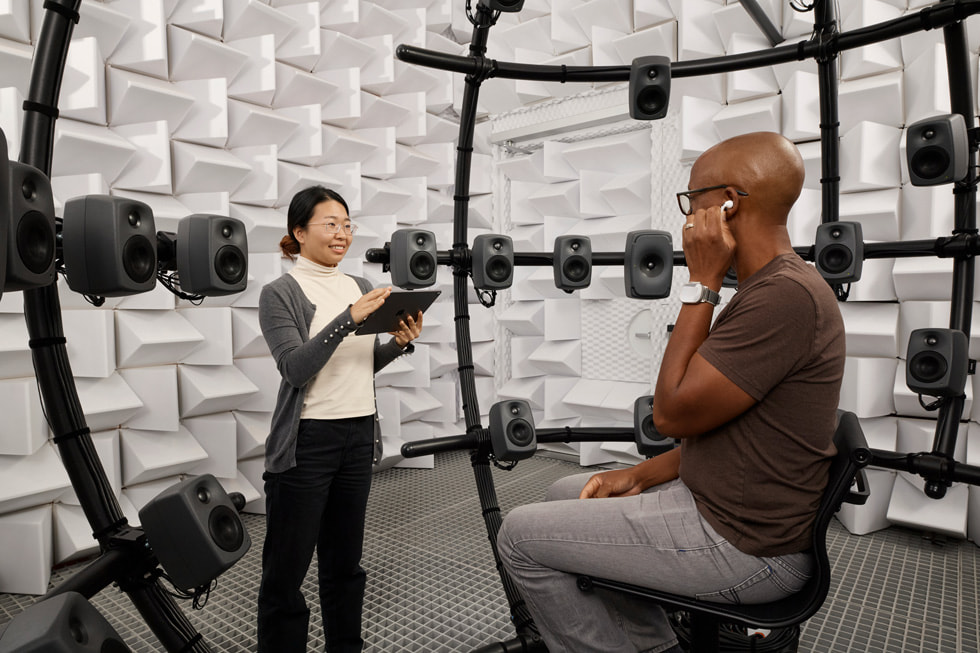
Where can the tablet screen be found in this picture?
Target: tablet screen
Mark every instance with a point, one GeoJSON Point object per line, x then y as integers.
{"type": "Point", "coordinates": [397, 306]}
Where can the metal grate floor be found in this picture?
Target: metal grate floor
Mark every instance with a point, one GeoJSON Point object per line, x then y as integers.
{"type": "Point", "coordinates": [432, 585]}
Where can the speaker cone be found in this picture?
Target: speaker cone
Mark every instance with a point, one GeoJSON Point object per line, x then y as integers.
{"type": "Point", "coordinates": [520, 432]}
{"type": "Point", "coordinates": [576, 268]}
{"type": "Point", "coordinates": [422, 265]}
{"type": "Point", "coordinates": [928, 366]}
{"type": "Point", "coordinates": [229, 263]}
{"type": "Point", "coordinates": [930, 162]}
{"type": "Point", "coordinates": [649, 430]}
{"type": "Point", "coordinates": [498, 268]}
{"type": "Point", "coordinates": [652, 99]}
{"type": "Point", "coordinates": [836, 259]}
{"type": "Point", "coordinates": [139, 257]}
{"type": "Point", "coordinates": [226, 528]}
{"type": "Point", "coordinates": [35, 242]}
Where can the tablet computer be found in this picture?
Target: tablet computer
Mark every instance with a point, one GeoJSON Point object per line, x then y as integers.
{"type": "Point", "coordinates": [397, 306]}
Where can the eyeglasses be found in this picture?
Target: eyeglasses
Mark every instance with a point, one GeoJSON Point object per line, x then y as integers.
{"type": "Point", "coordinates": [684, 197]}
{"type": "Point", "coordinates": [334, 228]}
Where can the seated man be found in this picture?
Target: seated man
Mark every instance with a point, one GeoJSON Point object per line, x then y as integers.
{"type": "Point", "coordinates": [727, 515]}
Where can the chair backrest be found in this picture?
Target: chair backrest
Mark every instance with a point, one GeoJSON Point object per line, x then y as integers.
{"type": "Point", "coordinates": [844, 468]}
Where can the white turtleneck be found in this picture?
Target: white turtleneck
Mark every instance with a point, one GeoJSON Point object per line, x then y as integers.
{"type": "Point", "coordinates": [345, 385]}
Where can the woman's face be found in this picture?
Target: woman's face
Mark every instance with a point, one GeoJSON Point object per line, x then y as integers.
{"type": "Point", "coordinates": [318, 241]}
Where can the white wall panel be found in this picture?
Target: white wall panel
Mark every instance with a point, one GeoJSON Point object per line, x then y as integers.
{"type": "Point", "coordinates": [25, 430]}
{"type": "Point", "coordinates": [25, 538]}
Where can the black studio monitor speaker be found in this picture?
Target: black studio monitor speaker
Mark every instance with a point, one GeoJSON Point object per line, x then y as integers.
{"type": "Point", "coordinates": [31, 245]}
{"type": "Point", "coordinates": [572, 262]}
{"type": "Point", "coordinates": [109, 245]}
{"type": "Point", "coordinates": [938, 362]}
{"type": "Point", "coordinates": [493, 262]}
{"type": "Point", "coordinates": [649, 87]}
{"type": "Point", "coordinates": [194, 531]}
{"type": "Point", "coordinates": [4, 214]}
{"type": "Point", "coordinates": [413, 258]}
{"type": "Point", "coordinates": [649, 264]}
{"type": "Point", "coordinates": [839, 251]}
{"type": "Point", "coordinates": [64, 623]}
{"type": "Point", "coordinates": [503, 5]}
{"type": "Point", "coordinates": [512, 430]}
{"type": "Point", "coordinates": [937, 150]}
{"type": "Point", "coordinates": [649, 441]}
{"type": "Point", "coordinates": [212, 255]}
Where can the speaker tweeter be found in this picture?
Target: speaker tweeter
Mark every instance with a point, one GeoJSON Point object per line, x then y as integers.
{"type": "Point", "coordinates": [649, 87]}
{"type": "Point", "coordinates": [938, 362]}
{"type": "Point", "coordinates": [195, 531]}
{"type": "Point", "coordinates": [413, 258]}
{"type": "Point", "coordinates": [109, 245]}
{"type": "Point", "coordinates": [649, 264]}
{"type": "Point", "coordinates": [493, 262]}
{"type": "Point", "coordinates": [512, 430]}
{"type": "Point", "coordinates": [572, 262]}
{"type": "Point", "coordinates": [649, 441]}
{"type": "Point", "coordinates": [839, 251]}
{"type": "Point", "coordinates": [937, 150]}
{"type": "Point", "coordinates": [212, 255]}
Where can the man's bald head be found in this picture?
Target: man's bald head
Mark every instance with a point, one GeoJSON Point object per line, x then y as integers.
{"type": "Point", "coordinates": [765, 164]}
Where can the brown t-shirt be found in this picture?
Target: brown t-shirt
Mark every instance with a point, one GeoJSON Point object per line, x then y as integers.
{"type": "Point", "coordinates": [758, 479]}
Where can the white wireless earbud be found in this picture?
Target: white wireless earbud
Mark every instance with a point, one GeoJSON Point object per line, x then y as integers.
{"type": "Point", "coordinates": [727, 205]}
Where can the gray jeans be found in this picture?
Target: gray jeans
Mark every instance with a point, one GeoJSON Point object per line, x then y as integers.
{"type": "Point", "coordinates": [656, 539]}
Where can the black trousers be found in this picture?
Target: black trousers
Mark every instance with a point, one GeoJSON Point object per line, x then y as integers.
{"type": "Point", "coordinates": [319, 504]}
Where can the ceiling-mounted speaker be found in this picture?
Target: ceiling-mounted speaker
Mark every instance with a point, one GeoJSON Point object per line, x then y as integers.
{"type": "Point", "coordinates": [109, 245]}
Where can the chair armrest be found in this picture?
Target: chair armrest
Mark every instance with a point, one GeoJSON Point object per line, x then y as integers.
{"type": "Point", "coordinates": [860, 490]}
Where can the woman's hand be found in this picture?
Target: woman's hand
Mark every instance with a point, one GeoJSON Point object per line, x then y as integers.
{"type": "Point", "coordinates": [409, 329]}
{"type": "Point", "coordinates": [615, 483]}
{"type": "Point", "coordinates": [368, 303]}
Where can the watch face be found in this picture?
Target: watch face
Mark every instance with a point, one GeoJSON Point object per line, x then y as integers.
{"type": "Point", "coordinates": [690, 293]}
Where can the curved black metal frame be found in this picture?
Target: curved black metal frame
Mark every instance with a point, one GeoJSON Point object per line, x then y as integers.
{"type": "Point", "coordinates": [125, 556]}
{"type": "Point", "coordinates": [126, 559]}
{"type": "Point", "coordinates": [937, 467]}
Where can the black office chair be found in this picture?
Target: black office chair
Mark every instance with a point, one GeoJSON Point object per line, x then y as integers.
{"type": "Point", "coordinates": [847, 466]}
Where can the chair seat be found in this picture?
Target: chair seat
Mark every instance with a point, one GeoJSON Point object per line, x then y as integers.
{"type": "Point", "coordinates": [777, 614]}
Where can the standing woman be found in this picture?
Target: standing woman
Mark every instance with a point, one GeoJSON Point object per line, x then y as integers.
{"type": "Point", "coordinates": [324, 435]}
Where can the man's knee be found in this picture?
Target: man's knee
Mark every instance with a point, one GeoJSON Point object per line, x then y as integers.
{"type": "Point", "coordinates": [568, 487]}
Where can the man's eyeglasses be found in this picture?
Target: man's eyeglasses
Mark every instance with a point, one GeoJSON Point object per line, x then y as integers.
{"type": "Point", "coordinates": [334, 228]}
{"type": "Point", "coordinates": [684, 197]}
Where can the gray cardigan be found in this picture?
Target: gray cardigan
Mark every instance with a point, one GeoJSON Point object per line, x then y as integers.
{"type": "Point", "coordinates": [285, 315]}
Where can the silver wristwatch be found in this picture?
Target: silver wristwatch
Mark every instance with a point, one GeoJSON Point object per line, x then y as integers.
{"type": "Point", "coordinates": [695, 293]}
